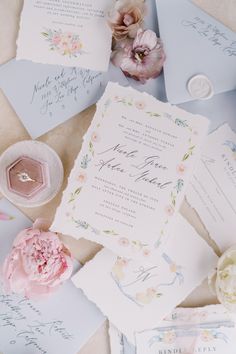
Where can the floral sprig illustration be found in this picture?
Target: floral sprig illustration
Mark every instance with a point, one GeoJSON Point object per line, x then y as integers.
{"type": "Point", "coordinates": [122, 241]}
{"type": "Point", "coordinates": [151, 293]}
{"type": "Point", "coordinates": [74, 195]}
{"type": "Point", "coordinates": [170, 334]}
{"type": "Point", "coordinates": [64, 43]}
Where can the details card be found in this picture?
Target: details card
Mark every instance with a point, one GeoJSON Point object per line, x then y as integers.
{"type": "Point", "coordinates": [131, 174]}
{"type": "Point", "coordinates": [69, 33]}
{"type": "Point", "coordinates": [212, 190]}
{"type": "Point", "coordinates": [137, 296]}
{"type": "Point", "coordinates": [46, 326]}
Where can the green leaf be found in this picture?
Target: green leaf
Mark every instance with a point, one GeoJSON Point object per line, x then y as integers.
{"type": "Point", "coordinates": [186, 156]}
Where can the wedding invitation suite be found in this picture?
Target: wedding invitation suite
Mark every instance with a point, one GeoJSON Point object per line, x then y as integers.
{"type": "Point", "coordinates": [45, 96]}
{"type": "Point", "coordinates": [209, 329]}
{"type": "Point", "coordinates": [136, 296]}
{"type": "Point", "coordinates": [212, 190]}
{"type": "Point", "coordinates": [66, 32]}
{"type": "Point", "coordinates": [131, 174]}
{"type": "Point", "coordinates": [44, 326]}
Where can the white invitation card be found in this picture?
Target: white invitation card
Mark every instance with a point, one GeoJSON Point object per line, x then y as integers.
{"type": "Point", "coordinates": [45, 326]}
{"type": "Point", "coordinates": [69, 33]}
{"type": "Point", "coordinates": [209, 329]}
{"type": "Point", "coordinates": [131, 174]}
{"type": "Point", "coordinates": [136, 296]}
{"type": "Point", "coordinates": [212, 190]}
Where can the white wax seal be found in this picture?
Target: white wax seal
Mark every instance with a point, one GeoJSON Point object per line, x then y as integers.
{"type": "Point", "coordinates": [200, 87]}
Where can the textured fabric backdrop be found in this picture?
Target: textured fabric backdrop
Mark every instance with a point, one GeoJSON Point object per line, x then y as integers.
{"type": "Point", "coordinates": [67, 139]}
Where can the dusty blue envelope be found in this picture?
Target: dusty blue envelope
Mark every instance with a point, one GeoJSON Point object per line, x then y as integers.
{"type": "Point", "coordinates": [61, 323]}
{"type": "Point", "coordinates": [44, 96]}
{"type": "Point", "coordinates": [195, 43]}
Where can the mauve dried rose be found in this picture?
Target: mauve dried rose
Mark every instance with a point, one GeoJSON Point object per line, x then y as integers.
{"type": "Point", "coordinates": [126, 17]}
{"type": "Point", "coordinates": [141, 58]}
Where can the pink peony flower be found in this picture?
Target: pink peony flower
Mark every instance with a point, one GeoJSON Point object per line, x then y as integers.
{"type": "Point", "coordinates": [141, 58]}
{"type": "Point", "coordinates": [126, 17]}
{"type": "Point", "coordinates": [37, 264]}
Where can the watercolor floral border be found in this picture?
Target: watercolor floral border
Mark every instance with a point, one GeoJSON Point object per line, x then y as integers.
{"type": "Point", "coordinates": [135, 245]}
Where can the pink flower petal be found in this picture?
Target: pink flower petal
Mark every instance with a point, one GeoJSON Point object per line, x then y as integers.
{"type": "Point", "coordinates": [145, 38]}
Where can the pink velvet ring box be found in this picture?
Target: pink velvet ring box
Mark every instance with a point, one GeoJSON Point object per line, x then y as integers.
{"type": "Point", "coordinates": [31, 173]}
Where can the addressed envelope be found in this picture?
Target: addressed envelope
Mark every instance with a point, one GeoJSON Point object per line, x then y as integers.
{"type": "Point", "coordinates": [44, 96]}
{"type": "Point", "coordinates": [61, 323]}
{"type": "Point", "coordinates": [195, 43]}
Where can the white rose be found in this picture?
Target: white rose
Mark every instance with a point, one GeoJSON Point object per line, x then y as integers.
{"type": "Point", "coordinates": [224, 280]}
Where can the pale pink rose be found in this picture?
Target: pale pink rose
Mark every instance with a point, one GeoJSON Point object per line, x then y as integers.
{"type": "Point", "coordinates": [140, 104]}
{"type": "Point", "coordinates": [123, 262]}
{"type": "Point", "coordinates": [141, 58]}
{"type": "Point", "coordinates": [169, 337]}
{"type": "Point", "coordinates": [146, 252]}
{"type": "Point", "coordinates": [181, 168]}
{"type": "Point", "coordinates": [95, 137]}
{"type": "Point", "coordinates": [82, 177]}
{"type": "Point", "coordinates": [126, 17]}
{"type": "Point", "coordinates": [56, 39]}
{"type": "Point", "coordinates": [206, 336]}
{"type": "Point", "coordinates": [169, 210]}
{"type": "Point", "coordinates": [123, 241]}
{"type": "Point", "coordinates": [75, 47]}
{"type": "Point", "coordinates": [37, 264]}
{"type": "Point", "coordinates": [151, 292]}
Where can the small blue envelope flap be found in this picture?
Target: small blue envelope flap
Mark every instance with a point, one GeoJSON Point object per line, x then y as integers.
{"type": "Point", "coordinates": [195, 43]}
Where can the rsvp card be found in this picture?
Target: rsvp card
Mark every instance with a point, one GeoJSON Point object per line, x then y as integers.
{"type": "Point", "coordinates": [212, 190]}
{"type": "Point", "coordinates": [136, 296]}
{"type": "Point", "coordinates": [69, 33]}
{"type": "Point", "coordinates": [131, 174]}
{"type": "Point", "coordinates": [209, 329]}
{"type": "Point", "coordinates": [61, 323]}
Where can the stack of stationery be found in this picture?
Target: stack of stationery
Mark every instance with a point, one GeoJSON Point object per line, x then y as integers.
{"type": "Point", "coordinates": [141, 159]}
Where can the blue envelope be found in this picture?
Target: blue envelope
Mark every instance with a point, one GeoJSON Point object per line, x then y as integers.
{"type": "Point", "coordinates": [195, 43]}
{"type": "Point", "coordinates": [44, 96]}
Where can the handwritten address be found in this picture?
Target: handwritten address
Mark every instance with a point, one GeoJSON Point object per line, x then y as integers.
{"type": "Point", "coordinates": [54, 91]}
{"type": "Point", "coordinates": [28, 325]}
{"type": "Point", "coordinates": [212, 34]}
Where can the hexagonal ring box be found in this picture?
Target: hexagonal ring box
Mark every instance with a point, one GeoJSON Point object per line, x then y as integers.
{"type": "Point", "coordinates": [27, 176]}
{"type": "Point", "coordinates": [31, 173]}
